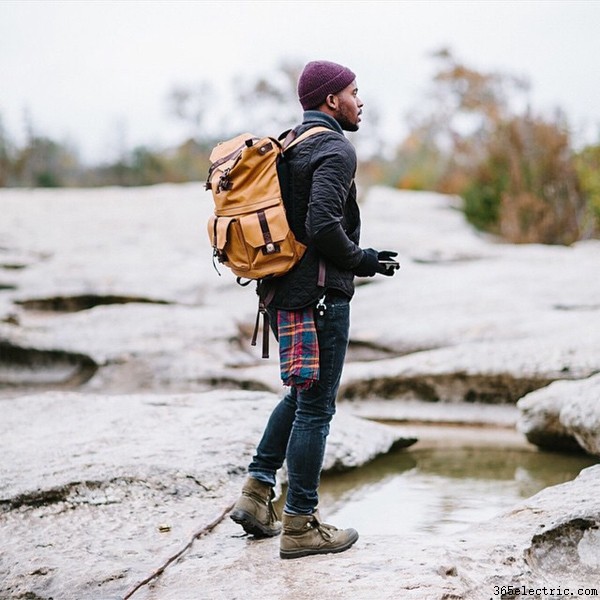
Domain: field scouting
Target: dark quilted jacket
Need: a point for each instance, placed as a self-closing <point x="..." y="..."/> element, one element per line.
<point x="317" y="179"/>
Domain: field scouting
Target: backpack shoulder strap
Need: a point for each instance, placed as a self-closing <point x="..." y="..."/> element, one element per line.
<point x="291" y="139"/>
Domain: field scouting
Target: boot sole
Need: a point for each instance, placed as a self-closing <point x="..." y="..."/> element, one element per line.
<point x="311" y="551"/>
<point x="251" y="525"/>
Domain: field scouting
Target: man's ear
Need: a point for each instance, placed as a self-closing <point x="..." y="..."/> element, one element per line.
<point x="331" y="101"/>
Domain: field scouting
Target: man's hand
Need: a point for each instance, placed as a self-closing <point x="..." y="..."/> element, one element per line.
<point x="388" y="266"/>
<point x="371" y="263"/>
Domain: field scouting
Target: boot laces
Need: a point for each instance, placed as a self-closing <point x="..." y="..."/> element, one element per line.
<point x="324" y="529"/>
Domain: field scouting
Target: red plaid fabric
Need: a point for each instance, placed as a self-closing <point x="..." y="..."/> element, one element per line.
<point x="298" y="348"/>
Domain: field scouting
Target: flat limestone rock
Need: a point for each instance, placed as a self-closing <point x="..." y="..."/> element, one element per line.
<point x="107" y="292"/>
<point x="550" y="540"/>
<point x="126" y="481"/>
<point x="122" y="480"/>
<point x="123" y="279"/>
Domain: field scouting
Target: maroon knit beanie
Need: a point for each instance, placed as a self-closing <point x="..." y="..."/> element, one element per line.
<point x="319" y="79"/>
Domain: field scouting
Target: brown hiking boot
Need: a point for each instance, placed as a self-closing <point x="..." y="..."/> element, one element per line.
<point x="254" y="510"/>
<point x="304" y="535"/>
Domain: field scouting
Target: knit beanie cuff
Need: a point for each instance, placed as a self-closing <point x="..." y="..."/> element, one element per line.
<point x="319" y="79"/>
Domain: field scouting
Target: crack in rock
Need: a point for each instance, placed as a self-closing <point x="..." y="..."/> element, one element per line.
<point x="21" y="366"/>
<point x="100" y="492"/>
<point x="576" y="307"/>
<point x="231" y="383"/>
<point x="450" y="387"/>
<point x="73" y="493"/>
<point x="448" y="260"/>
<point x="82" y="302"/>
<point x="362" y="350"/>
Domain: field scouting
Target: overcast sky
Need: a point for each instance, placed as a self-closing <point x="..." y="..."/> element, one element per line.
<point x="85" y="70"/>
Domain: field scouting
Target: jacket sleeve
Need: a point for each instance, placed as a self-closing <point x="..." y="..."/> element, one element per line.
<point x="331" y="182"/>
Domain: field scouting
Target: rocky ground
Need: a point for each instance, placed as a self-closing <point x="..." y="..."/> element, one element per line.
<point x="131" y="399"/>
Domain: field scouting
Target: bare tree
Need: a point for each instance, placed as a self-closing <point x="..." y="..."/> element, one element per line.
<point x="191" y="105"/>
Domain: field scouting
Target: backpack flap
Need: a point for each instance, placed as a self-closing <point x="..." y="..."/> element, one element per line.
<point x="250" y="182"/>
<point x="271" y="246"/>
<point x="265" y="229"/>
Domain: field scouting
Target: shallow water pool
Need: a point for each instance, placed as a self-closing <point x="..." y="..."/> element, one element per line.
<point x="443" y="484"/>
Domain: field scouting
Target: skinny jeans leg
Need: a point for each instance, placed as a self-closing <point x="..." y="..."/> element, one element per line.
<point x="299" y="425"/>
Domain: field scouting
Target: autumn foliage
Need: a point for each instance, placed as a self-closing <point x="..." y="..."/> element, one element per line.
<point x="516" y="171"/>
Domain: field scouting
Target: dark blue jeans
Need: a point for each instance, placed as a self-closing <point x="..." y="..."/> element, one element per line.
<point x="298" y="426"/>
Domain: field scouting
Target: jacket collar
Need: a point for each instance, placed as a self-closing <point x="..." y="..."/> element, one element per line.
<point x="320" y="118"/>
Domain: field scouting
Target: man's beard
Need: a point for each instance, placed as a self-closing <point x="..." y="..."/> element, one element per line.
<point x="345" y="123"/>
<point x="348" y="126"/>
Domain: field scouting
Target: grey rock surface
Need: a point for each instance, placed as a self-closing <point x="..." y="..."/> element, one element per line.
<point x="109" y="300"/>
<point x="97" y="492"/>
<point x="549" y="541"/>
<point x="566" y="415"/>
<point x="116" y="288"/>
<point x="99" y="476"/>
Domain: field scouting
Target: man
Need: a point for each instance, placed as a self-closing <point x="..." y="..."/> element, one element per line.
<point x="317" y="179"/>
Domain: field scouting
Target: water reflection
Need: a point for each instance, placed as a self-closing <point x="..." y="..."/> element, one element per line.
<point x="441" y="490"/>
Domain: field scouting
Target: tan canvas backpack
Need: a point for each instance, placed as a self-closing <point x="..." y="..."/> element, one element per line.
<point x="249" y="231"/>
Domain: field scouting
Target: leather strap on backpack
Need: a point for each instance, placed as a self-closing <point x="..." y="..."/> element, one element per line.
<point x="322" y="273"/>
<point x="292" y="138"/>
<point x="262" y="310"/>
<point x="270" y="247"/>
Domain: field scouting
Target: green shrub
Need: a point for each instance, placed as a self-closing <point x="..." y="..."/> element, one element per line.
<point x="587" y="166"/>
<point x="526" y="188"/>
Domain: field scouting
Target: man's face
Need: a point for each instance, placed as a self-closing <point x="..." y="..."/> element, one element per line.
<point x="348" y="108"/>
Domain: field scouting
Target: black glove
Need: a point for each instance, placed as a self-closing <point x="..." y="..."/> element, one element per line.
<point x="369" y="263"/>
<point x="387" y="269"/>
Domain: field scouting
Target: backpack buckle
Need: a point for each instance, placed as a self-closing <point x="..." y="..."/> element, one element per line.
<point x="224" y="182"/>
